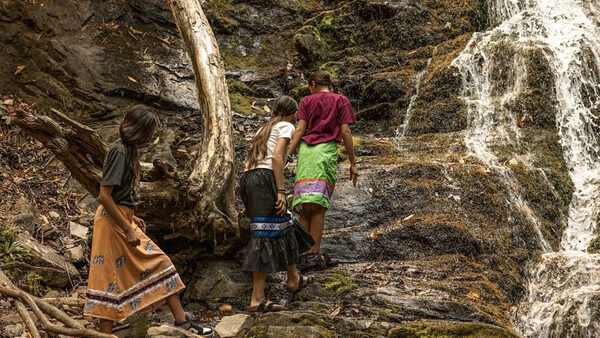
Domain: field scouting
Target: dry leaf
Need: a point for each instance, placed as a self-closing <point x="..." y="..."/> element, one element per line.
<point x="375" y="234"/>
<point x="380" y="257"/>
<point x="336" y="311"/>
<point x="355" y="309"/>
<point x="19" y="69"/>
<point x="9" y="102"/>
<point x="182" y="150"/>
<point x="132" y="79"/>
<point x="473" y="295"/>
<point x="44" y="219"/>
<point x="225" y="308"/>
<point x="267" y="109"/>
<point x="408" y="218"/>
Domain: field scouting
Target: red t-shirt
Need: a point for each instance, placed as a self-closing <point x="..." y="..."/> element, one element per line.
<point x="324" y="114"/>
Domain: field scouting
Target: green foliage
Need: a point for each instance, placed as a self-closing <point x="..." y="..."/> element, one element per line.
<point x="10" y="250"/>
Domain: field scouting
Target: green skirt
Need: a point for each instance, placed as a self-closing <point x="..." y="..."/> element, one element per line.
<point x="316" y="174"/>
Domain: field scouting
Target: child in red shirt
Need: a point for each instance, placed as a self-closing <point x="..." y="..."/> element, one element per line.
<point x="324" y="119"/>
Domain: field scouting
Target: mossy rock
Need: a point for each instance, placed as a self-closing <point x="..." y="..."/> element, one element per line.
<point x="309" y="44"/>
<point x="337" y="283"/>
<point x="448" y="330"/>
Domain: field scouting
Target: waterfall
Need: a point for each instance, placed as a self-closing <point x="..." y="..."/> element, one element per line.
<point x="401" y="131"/>
<point x="564" y="289"/>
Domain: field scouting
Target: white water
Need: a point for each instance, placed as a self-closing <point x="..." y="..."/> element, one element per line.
<point x="401" y="131"/>
<point x="564" y="291"/>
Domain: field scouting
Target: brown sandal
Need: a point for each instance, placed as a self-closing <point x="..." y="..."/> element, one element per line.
<point x="263" y="307"/>
<point x="301" y="283"/>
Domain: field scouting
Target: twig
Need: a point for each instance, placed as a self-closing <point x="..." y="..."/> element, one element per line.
<point x="22" y="310"/>
<point x="49" y="161"/>
<point x="46" y="323"/>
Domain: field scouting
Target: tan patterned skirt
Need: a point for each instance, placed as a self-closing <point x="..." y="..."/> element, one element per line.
<point x="124" y="279"/>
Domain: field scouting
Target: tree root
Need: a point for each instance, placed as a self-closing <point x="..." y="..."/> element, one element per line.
<point x="76" y="332"/>
<point x="22" y="310"/>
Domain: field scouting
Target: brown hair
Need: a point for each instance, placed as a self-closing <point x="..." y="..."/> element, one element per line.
<point x="283" y="106"/>
<point x="138" y="126"/>
<point x="322" y="78"/>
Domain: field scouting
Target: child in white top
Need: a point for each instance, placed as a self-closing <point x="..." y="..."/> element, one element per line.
<point x="277" y="238"/>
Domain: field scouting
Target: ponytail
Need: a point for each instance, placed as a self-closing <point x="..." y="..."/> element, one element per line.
<point x="283" y="106"/>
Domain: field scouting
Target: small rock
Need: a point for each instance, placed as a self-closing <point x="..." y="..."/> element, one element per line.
<point x="76" y="254"/>
<point x="25" y="221"/>
<point x="18" y="180"/>
<point x="9" y="102"/>
<point x="234" y="326"/>
<point x="168" y="331"/>
<point x="54" y="214"/>
<point x="78" y="230"/>
<point x="14" y="330"/>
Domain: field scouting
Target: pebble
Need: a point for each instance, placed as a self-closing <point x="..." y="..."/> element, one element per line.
<point x="54" y="214"/>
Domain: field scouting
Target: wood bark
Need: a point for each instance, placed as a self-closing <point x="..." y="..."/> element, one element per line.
<point x="79" y="147"/>
<point x="212" y="180"/>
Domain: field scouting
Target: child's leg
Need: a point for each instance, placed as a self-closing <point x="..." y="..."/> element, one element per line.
<point x="175" y="306"/>
<point x="259" y="281"/>
<point x="305" y="214"/>
<point x="292" y="277"/>
<point x="317" y="221"/>
<point x="106" y="326"/>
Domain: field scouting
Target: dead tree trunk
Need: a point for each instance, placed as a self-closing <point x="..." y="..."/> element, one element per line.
<point x="212" y="180"/>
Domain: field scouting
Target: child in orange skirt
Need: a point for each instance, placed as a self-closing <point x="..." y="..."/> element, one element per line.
<point x="129" y="272"/>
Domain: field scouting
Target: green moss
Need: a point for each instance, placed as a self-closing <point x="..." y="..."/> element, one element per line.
<point x="332" y="67"/>
<point x="300" y="92"/>
<point x="448" y="330"/>
<point x="337" y="283"/>
<point x="234" y="60"/>
<point x="240" y="103"/>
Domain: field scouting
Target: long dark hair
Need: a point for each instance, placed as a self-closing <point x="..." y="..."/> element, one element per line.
<point x="322" y="78"/>
<point x="138" y="126"/>
<point x="283" y="106"/>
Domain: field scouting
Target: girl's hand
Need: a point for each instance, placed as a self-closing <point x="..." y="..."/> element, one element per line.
<point x="132" y="238"/>
<point x="281" y="204"/>
<point x="140" y="223"/>
<point x="353" y="174"/>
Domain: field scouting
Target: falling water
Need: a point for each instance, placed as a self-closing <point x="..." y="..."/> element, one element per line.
<point x="564" y="290"/>
<point x="401" y="131"/>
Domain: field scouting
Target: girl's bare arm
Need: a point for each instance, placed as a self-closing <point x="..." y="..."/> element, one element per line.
<point x="278" y="161"/>
<point x="300" y="130"/>
<point x="349" y="144"/>
<point x="113" y="211"/>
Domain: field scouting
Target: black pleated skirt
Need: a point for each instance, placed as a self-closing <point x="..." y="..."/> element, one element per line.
<point x="276" y="241"/>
